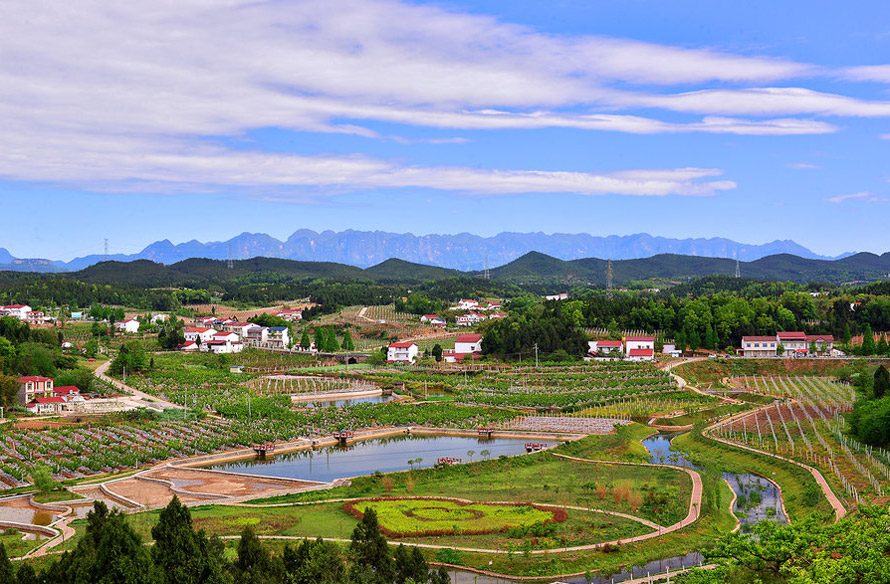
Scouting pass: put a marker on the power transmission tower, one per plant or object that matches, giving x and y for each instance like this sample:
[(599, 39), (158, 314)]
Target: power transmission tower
[(229, 263), (106, 249), (487, 275), (609, 279), (738, 269)]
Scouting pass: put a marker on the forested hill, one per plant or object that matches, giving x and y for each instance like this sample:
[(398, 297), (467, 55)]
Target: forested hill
[(532, 269), (536, 267)]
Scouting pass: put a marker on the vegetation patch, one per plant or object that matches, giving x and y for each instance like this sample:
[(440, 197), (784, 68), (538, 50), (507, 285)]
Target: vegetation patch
[(404, 517)]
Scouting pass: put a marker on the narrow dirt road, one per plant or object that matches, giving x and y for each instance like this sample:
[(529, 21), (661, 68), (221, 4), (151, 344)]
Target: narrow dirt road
[(150, 401)]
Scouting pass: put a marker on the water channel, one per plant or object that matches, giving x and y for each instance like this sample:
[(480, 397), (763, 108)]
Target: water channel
[(365, 457), (766, 504), (339, 402)]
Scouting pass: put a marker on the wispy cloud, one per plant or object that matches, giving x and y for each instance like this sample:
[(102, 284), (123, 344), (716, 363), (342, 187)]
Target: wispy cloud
[(147, 93), (862, 197), (879, 73), (802, 165)]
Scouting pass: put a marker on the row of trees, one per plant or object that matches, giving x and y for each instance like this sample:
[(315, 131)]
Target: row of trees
[(112, 552), (869, 421)]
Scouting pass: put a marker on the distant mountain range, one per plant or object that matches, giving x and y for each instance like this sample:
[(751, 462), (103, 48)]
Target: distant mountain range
[(534, 269), (464, 251)]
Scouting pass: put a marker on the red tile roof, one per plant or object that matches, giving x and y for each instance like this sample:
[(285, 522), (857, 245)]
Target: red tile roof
[(66, 389), (761, 339), (48, 400), (826, 338), (197, 329), (792, 335), (651, 339), (34, 378), (400, 345), (608, 343), (641, 353), (469, 339)]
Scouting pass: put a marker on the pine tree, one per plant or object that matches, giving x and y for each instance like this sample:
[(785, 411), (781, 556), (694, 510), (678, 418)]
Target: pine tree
[(305, 343), (255, 564), (7, 574), (333, 345), (320, 339), (868, 341), (847, 336), (371, 561), (882, 382), (348, 345), (437, 352), (882, 348)]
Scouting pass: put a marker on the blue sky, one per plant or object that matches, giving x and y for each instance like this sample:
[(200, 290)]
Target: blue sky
[(201, 120)]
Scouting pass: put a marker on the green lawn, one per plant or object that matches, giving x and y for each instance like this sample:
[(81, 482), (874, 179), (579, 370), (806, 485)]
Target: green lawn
[(15, 545)]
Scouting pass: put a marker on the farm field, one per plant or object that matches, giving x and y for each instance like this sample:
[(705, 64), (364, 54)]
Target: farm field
[(808, 425)]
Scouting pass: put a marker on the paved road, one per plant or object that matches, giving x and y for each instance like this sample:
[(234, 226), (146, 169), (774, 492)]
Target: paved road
[(150, 401)]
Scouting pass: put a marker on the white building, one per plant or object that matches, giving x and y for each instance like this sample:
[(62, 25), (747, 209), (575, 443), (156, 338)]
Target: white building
[(631, 343), (199, 334), (433, 320), (605, 347), (32, 387), (256, 335), (224, 342), (20, 311), (641, 354), (468, 344), (401, 353), (159, 318), (279, 335), (131, 325), (562, 296), (291, 314), (795, 343), (469, 319), (466, 304)]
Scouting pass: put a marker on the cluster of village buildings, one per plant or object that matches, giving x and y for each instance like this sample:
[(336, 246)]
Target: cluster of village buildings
[(467, 346), (793, 344), (226, 335), (24, 313), (473, 313), (40, 396), (628, 348)]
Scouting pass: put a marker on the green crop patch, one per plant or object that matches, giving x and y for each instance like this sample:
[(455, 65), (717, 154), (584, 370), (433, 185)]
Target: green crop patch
[(406, 517)]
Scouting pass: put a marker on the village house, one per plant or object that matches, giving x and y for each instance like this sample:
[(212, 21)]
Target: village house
[(466, 304), (20, 311), (498, 315), (794, 342), (223, 342), (759, 346), (401, 353), (131, 325), (639, 348), (291, 314), (279, 335), (455, 357), (469, 319), (562, 296), (433, 320), (605, 347), (234, 326), (205, 321), (256, 335), (46, 406), (159, 318), (199, 334), (32, 387), (468, 344)]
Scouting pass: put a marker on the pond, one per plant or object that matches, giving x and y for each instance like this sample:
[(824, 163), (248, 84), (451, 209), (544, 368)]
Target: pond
[(365, 457), (340, 402)]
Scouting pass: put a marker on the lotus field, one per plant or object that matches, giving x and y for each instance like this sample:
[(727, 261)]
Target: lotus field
[(809, 427)]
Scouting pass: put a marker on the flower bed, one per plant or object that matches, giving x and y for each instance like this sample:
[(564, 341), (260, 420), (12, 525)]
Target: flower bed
[(414, 517)]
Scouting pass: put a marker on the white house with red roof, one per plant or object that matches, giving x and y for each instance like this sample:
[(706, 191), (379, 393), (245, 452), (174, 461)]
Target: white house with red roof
[(20, 311), (605, 347), (205, 321), (455, 357), (237, 327), (468, 344), (561, 296), (433, 320), (794, 342), (131, 325), (469, 319), (199, 334), (46, 405), (824, 343), (467, 304), (639, 343), (290, 314), (32, 387), (640, 355), (401, 352), (223, 342)]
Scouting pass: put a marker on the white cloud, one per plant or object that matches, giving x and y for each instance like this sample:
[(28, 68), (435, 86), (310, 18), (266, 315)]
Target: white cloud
[(863, 197), (802, 165), (879, 73), (764, 101)]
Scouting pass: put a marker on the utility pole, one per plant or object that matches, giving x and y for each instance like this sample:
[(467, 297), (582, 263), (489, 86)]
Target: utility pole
[(229, 263), (609, 279), (536, 355)]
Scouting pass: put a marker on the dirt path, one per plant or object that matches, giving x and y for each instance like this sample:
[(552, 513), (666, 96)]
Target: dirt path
[(150, 401), (683, 384), (839, 510)]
